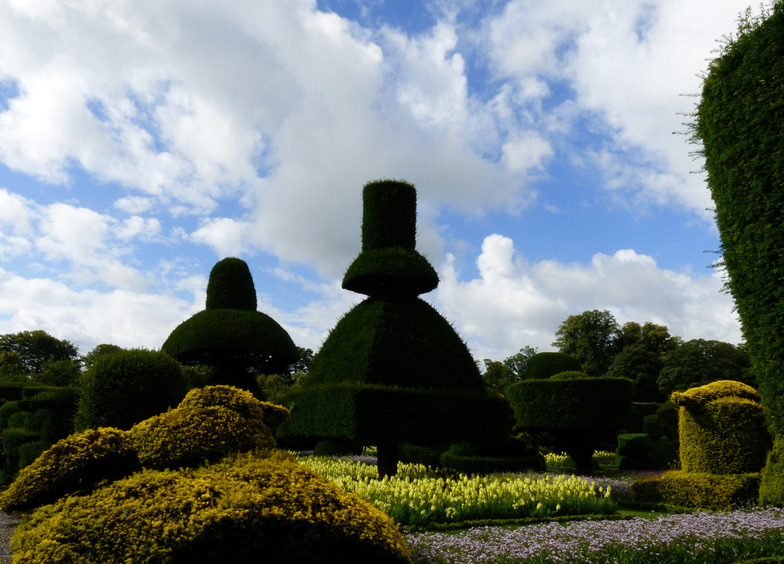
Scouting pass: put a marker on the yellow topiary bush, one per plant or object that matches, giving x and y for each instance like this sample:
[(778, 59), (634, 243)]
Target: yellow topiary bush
[(698, 490), (188, 436), (722, 428), (246, 509), (75, 463), (241, 401)]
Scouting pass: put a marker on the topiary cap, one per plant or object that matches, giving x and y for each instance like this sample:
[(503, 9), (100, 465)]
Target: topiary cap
[(389, 262)]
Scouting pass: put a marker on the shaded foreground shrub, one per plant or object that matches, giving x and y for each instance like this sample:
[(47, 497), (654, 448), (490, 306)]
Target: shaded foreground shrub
[(698, 490), (75, 463), (242, 510)]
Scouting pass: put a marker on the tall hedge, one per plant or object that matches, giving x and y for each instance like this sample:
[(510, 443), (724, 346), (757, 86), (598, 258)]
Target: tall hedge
[(739, 121)]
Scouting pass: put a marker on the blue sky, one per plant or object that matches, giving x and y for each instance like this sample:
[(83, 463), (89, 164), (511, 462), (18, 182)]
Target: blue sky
[(141, 142)]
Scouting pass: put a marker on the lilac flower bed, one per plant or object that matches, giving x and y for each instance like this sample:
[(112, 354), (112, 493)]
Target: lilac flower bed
[(698, 537)]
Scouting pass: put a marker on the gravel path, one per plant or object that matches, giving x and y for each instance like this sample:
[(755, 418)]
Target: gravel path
[(7, 524)]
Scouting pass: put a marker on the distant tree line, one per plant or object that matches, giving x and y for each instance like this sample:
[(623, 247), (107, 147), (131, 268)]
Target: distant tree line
[(656, 362)]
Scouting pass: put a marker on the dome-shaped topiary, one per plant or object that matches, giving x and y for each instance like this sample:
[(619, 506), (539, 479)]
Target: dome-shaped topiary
[(545, 364), (722, 428), (242, 511), (241, 401), (76, 463), (230, 334)]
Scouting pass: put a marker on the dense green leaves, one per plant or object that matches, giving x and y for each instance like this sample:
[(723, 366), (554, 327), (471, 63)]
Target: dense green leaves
[(589, 337), (34, 349)]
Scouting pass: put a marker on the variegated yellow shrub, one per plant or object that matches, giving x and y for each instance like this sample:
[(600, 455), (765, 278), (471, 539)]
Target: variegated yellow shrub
[(241, 401), (74, 463), (245, 509)]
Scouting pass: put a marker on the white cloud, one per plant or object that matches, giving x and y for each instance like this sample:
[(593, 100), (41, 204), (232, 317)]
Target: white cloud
[(513, 303)]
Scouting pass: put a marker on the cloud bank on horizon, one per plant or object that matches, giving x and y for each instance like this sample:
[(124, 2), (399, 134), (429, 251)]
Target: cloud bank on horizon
[(140, 142)]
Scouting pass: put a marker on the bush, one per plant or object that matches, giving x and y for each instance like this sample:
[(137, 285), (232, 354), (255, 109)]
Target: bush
[(241, 401), (75, 463), (699, 490), (126, 387), (417, 454), (772, 485), (511, 456), (6, 411), (333, 448), (568, 375), (722, 428), (545, 364), (188, 436), (244, 510)]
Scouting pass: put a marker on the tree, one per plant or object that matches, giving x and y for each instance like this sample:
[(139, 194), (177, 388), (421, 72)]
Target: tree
[(230, 334), (496, 375), (100, 350), (739, 122), (35, 348), (591, 338), (699, 362), (518, 362), (393, 370)]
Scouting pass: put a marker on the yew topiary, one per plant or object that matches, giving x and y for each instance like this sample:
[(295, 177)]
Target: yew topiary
[(240, 511)]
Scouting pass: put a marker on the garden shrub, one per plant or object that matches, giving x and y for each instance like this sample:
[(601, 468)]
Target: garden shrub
[(241, 401), (417, 454), (568, 375), (6, 411), (126, 387), (487, 458), (331, 447), (73, 464), (699, 490), (242, 511), (545, 364), (188, 436), (722, 428), (772, 485)]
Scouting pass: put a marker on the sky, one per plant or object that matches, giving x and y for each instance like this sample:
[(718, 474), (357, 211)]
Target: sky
[(143, 141)]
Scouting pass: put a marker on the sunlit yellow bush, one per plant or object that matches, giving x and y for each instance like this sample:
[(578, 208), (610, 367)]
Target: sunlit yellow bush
[(419, 496), (241, 401), (246, 509), (74, 463)]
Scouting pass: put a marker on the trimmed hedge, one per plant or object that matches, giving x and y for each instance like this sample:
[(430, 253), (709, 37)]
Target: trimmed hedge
[(239, 511), (241, 401), (722, 429), (126, 387), (699, 490), (76, 463), (485, 458), (772, 486), (230, 286), (545, 364)]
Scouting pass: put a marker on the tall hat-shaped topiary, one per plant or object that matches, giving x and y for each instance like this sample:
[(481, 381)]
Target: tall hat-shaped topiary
[(393, 369), (230, 334)]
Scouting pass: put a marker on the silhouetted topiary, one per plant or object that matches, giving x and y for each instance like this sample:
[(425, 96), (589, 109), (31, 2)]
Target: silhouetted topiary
[(230, 334), (393, 369), (545, 364)]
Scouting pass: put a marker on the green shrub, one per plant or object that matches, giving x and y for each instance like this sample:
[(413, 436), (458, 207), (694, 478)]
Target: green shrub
[(722, 428), (772, 485), (241, 401), (698, 490), (417, 454), (188, 436), (19, 420), (75, 463), (126, 387), (231, 286), (545, 364), (6, 411), (510, 456), (330, 447), (569, 375), (246, 510)]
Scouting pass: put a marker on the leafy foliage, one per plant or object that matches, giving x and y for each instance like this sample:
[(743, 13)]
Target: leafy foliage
[(126, 387), (739, 121), (701, 490), (35, 348), (772, 485), (589, 337), (699, 362), (231, 286), (545, 364)]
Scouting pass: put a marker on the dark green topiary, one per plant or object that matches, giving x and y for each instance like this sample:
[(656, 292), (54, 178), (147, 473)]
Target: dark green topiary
[(698, 490), (511, 455), (230, 335), (722, 428), (578, 412), (126, 387), (545, 364), (739, 121), (393, 369), (247, 510)]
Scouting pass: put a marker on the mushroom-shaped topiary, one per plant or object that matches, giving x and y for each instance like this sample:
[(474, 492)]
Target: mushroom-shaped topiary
[(230, 334), (722, 428), (393, 369)]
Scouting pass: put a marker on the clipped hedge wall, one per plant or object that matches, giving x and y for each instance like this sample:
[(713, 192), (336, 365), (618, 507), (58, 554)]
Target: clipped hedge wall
[(772, 486), (76, 463), (486, 458), (739, 121), (238, 511), (722, 429), (699, 490), (377, 413), (545, 364)]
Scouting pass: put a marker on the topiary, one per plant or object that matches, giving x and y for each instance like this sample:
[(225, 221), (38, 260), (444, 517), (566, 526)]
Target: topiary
[(240, 511), (126, 387), (699, 490), (545, 364), (73, 464), (772, 485), (569, 375), (241, 401), (721, 428)]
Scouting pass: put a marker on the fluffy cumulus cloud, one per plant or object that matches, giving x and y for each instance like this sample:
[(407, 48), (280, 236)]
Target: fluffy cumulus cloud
[(513, 303)]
